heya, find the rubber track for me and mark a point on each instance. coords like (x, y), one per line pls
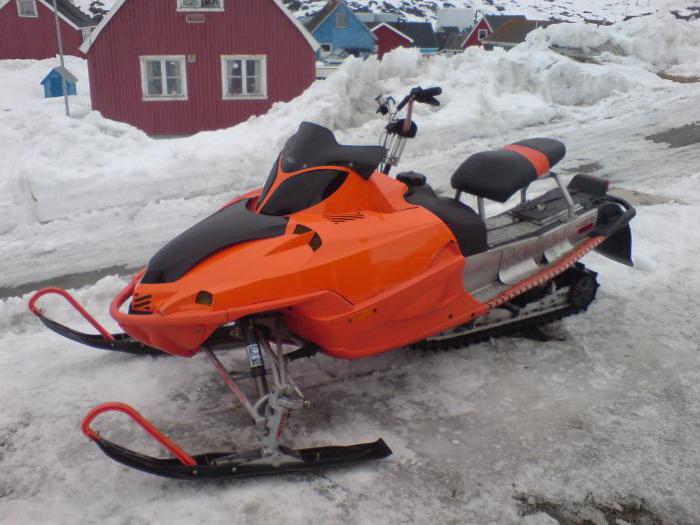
(461, 341)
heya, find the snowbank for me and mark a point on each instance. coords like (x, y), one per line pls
(66, 167)
(660, 42)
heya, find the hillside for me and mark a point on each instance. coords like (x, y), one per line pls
(612, 10)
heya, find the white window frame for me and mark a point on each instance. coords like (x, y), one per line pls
(86, 32)
(186, 9)
(484, 32)
(19, 12)
(144, 78)
(263, 77)
(345, 17)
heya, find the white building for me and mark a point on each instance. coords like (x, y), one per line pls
(463, 18)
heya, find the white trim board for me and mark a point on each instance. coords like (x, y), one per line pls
(263, 77)
(181, 9)
(342, 2)
(483, 17)
(384, 24)
(98, 29)
(48, 4)
(36, 10)
(62, 17)
(144, 78)
(327, 15)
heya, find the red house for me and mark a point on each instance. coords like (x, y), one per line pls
(390, 35)
(389, 38)
(486, 26)
(177, 67)
(28, 28)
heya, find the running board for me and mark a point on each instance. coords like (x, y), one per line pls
(535, 312)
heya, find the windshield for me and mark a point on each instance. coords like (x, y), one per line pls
(303, 191)
(313, 145)
(269, 182)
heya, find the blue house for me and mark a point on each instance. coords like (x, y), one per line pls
(53, 82)
(337, 29)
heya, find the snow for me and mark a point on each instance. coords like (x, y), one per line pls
(674, 49)
(462, 18)
(84, 159)
(84, 5)
(573, 10)
(421, 10)
(604, 416)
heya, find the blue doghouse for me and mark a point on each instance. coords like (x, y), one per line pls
(53, 82)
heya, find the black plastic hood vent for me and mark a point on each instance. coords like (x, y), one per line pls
(229, 226)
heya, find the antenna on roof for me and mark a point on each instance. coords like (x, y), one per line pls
(60, 53)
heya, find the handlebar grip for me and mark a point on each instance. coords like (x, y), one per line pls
(431, 92)
(421, 95)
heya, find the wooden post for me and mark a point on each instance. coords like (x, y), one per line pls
(60, 53)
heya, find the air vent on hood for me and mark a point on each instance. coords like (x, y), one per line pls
(140, 304)
(339, 218)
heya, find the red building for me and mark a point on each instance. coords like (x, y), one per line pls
(485, 27)
(177, 67)
(390, 35)
(389, 38)
(28, 28)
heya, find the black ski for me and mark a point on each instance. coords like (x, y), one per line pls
(215, 466)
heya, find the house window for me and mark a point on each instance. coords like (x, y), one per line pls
(244, 77)
(200, 5)
(341, 20)
(26, 8)
(483, 33)
(326, 48)
(164, 78)
(86, 32)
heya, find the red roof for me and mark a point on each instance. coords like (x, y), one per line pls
(112, 12)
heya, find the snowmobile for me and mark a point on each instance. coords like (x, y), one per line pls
(333, 255)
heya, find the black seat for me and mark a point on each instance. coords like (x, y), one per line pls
(497, 175)
(464, 223)
(314, 145)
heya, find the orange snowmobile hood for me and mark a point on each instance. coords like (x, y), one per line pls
(325, 235)
(232, 225)
(330, 255)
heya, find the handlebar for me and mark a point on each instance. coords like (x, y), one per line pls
(423, 96)
(431, 92)
(398, 130)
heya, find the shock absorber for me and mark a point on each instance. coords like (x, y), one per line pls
(255, 357)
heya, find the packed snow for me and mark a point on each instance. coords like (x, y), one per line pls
(674, 48)
(85, 158)
(601, 419)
